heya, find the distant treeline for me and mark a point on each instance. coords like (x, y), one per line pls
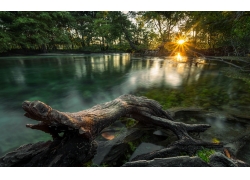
(88, 31)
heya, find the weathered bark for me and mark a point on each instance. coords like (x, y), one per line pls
(215, 160)
(182, 161)
(23, 154)
(186, 145)
(77, 145)
(69, 151)
(92, 121)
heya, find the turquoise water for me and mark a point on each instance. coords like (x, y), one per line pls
(75, 82)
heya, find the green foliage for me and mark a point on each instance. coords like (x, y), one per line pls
(222, 28)
(205, 153)
(183, 154)
(104, 165)
(115, 30)
(205, 96)
(91, 164)
(132, 146)
(236, 74)
(88, 164)
(130, 122)
(62, 30)
(5, 41)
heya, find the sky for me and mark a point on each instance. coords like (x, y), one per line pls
(125, 5)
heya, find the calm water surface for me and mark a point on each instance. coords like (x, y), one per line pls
(73, 82)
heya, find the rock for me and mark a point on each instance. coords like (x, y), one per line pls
(220, 160)
(23, 154)
(177, 111)
(109, 152)
(144, 148)
(240, 148)
(158, 133)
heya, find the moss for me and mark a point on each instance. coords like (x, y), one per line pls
(183, 154)
(193, 120)
(88, 164)
(127, 155)
(236, 74)
(132, 146)
(202, 95)
(146, 137)
(130, 122)
(103, 165)
(205, 153)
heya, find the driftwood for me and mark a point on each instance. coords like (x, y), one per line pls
(77, 144)
(244, 68)
(215, 160)
(180, 161)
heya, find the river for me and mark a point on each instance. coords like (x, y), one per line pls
(75, 82)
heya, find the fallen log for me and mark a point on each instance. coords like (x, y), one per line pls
(91, 122)
(77, 144)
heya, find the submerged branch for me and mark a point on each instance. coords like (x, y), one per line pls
(242, 68)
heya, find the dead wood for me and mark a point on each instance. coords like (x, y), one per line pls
(77, 145)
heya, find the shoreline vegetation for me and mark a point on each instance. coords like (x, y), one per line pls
(192, 34)
(195, 54)
(143, 53)
(57, 52)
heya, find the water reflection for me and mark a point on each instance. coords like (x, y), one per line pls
(73, 83)
(164, 72)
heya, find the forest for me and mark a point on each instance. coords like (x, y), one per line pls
(213, 33)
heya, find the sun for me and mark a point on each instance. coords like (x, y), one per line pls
(179, 45)
(180, 41)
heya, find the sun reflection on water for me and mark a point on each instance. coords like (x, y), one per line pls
(178, 57)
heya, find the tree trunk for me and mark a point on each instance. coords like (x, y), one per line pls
(77, 144)
(128, 38)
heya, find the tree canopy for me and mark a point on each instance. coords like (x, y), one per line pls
(124, 31)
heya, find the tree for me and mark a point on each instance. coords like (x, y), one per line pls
(211, 30)
(5, 35)
(116, 30)
(83, 27)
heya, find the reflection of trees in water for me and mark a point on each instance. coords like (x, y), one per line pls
(102, 77)
(163, 72)
(51, 79)
(190, 86)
